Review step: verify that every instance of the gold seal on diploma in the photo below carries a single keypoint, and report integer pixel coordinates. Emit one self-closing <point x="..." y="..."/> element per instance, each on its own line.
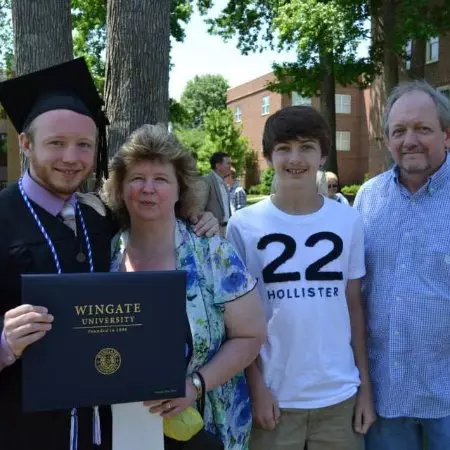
<point x="107" y="361"/>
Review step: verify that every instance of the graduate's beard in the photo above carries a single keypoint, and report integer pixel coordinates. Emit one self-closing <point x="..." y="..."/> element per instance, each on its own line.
<point x="52" y="181"/>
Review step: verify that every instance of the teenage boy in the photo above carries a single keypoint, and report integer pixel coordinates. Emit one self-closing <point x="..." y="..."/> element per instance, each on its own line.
<point x="310" y="385"/>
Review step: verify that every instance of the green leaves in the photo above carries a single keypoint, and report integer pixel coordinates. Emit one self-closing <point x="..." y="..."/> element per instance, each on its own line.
<point x="6" y="36"/>
<point x="89" y="35"/>
<point x="310" y="27"/>
<point x="210" y="124"/>
<point x="221" y="130"/>
<point x="219" y="133"/>
<point x="202" y="94"/>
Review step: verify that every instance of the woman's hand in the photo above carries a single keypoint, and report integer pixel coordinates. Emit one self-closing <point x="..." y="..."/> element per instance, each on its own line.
<point x="170" y="408"/>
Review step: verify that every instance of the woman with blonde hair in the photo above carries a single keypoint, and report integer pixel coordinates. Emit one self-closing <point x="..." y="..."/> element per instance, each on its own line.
<point x="333" y="188"/>
<point x="152" y="190"/>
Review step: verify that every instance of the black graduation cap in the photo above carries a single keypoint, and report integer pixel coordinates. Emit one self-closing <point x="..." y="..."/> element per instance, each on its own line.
<point x="65" y="86"/>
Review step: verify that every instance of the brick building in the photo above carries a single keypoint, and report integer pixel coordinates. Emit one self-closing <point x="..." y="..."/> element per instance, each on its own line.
<point x="252" y="103"/>
<point x="359" y="136"/>
<point x="436" y="68"/>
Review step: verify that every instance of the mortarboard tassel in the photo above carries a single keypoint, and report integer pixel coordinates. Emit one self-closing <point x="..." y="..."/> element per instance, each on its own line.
<point x="97" y="432"/>
<point x="102" y="151"/>
<point x="96" y="429"/>
<point x="74" y="429"/>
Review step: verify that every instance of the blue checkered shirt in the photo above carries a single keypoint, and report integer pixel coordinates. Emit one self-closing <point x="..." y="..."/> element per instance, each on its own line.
<point x="407" y="293"/>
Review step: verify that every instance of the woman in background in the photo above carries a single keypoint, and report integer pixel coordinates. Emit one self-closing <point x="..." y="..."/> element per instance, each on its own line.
<point x="333" y="188"/>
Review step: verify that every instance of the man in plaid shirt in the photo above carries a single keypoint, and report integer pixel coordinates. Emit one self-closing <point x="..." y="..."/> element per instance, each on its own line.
<point x="406" y="215"/>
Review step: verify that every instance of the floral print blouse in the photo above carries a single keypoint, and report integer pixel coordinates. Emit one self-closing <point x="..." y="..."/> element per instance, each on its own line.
<point x="215" y="276"/>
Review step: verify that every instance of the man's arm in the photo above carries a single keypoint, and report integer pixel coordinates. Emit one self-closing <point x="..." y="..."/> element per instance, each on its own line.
<point x="364" y="410"/>
<point x="358" y="329"/>
<point x="266" y="412"/>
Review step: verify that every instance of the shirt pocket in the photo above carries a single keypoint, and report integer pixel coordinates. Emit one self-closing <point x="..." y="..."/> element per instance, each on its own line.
<point x="434" y="275"/>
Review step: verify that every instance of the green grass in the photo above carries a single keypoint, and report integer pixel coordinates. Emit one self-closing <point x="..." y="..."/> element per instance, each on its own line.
<point x="251" y="199"/>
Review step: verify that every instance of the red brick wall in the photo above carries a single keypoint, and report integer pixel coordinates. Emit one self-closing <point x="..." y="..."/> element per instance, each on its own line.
<point x="352" y="165"/>
<point x="249" y="97"/>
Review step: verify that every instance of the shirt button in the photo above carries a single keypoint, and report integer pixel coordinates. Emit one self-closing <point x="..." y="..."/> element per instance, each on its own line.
<point x="396" y="333"/>
<point x="403" y="266"/>
<point x="407" y="234"/>
<point x="397" y="298"/>
<point x="413" y="202"/>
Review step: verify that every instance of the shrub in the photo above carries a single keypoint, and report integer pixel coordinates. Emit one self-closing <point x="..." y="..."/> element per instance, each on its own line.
<point x="351" y="189"/>
<point x="254" y="190"/>
<point x="266" y="180"/>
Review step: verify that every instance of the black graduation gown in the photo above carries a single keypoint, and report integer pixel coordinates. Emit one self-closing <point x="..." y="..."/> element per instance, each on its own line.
<point x="23" y="249"/>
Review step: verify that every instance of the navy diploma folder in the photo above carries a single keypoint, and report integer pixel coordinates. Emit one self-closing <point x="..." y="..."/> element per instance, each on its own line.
<point x="116" y="338"/>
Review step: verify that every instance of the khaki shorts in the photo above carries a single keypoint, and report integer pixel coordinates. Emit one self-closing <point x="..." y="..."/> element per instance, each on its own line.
<point x="329" y="428"/>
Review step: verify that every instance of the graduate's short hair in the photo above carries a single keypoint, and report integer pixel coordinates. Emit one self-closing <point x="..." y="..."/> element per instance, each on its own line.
<point x="294" y="122"/>
<point x="152" y="143"/>
<point x="30" y="131"/>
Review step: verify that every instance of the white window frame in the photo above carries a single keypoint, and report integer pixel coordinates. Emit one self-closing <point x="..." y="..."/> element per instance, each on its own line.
<point x="238" y="114"/>
<point x="343" y="141"/>
<point x="343" y="103"/>
<point x="408" y="51"/>
<point x="298" y="99"/>
<point x="432" y="56"/>
<point x="445" y="90"/>
<point x="265" y="105"/>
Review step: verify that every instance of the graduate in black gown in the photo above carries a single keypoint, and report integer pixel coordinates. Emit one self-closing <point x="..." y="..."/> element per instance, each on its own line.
<point x="58" y="114"/>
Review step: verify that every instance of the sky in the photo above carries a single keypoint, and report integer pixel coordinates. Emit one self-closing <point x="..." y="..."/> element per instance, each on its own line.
<point x="201" y="53"/>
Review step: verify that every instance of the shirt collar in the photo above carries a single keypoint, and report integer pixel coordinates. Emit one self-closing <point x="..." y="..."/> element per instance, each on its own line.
<point x="44" y="198"/>
<point x="218" y="176"/>
<point x="434" y="182"/>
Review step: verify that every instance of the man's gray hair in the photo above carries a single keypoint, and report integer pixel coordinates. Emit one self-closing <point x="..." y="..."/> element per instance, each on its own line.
<point x="440" y="100"/>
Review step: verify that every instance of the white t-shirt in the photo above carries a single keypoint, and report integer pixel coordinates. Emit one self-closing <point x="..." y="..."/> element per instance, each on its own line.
<point x="303" y="263"/>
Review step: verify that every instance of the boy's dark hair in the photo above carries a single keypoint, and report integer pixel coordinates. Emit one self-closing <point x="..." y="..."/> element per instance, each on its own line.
<point x="217" y="158"/>
<point x="295" y="122"/>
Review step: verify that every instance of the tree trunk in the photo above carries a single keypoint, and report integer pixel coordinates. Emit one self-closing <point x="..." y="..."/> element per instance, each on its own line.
<point x="137" y="66"/>
<point x="390" y="64"/>
<point x="42" y="36"/>
<point x="328" y="105"/>
<point x="418" y="59"/>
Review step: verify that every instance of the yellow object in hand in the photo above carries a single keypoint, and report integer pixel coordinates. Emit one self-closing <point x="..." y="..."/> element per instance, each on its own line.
<point x="183" y="426"/>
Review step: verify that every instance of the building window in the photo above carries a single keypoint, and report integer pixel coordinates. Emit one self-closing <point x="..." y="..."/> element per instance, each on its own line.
<point x="3" y="143"/>
<point x="343" y="104"/>
<point x="445" y="90"/>
<point x="408" y="52"/>
<point x="343" y="141"/>
<point x="265" y="107"/>
<point x="238" y="114"/>
<point x="432" y="50"/>
<point x="298" y="99"/>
